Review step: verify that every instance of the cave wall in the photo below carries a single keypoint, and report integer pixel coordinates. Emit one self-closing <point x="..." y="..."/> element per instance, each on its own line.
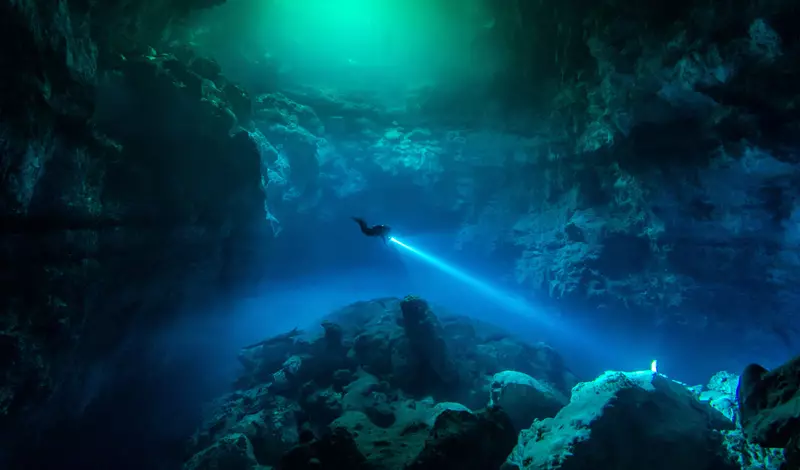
<point x="128" y="186"/>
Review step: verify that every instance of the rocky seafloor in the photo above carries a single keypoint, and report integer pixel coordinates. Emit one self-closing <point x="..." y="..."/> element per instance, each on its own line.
<point x="391" y="384"/>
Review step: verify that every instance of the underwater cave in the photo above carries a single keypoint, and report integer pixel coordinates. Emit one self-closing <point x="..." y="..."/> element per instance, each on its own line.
<point x="399" y="234"/>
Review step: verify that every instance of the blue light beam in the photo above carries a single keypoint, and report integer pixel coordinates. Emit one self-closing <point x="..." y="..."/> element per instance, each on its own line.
<point x="513" y="304"/>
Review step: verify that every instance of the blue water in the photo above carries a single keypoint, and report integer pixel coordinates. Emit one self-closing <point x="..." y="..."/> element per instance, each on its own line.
<point x="157" y="383"/>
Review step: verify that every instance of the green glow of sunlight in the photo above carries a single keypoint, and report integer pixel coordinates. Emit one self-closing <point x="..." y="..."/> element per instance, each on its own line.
<point x="363" y="42"/>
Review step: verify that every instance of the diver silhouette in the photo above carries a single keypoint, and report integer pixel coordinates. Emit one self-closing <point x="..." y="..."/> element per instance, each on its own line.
<point x="374" y="231"/>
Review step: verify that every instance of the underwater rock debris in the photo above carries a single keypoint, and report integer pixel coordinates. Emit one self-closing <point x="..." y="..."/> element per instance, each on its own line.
<point x="328" y="411"/>
<point x="721" y="394"/>
<point x="349" y="393"/>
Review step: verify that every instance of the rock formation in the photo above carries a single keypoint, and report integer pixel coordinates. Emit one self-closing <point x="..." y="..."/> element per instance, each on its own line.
<point x="343" y="399"/>
<point x="767" y="406"/>
<point x="314" y="412"/>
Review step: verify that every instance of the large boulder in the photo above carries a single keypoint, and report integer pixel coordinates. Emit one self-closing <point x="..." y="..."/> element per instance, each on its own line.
<point x="503" y="352"/>
<point x="427" y="437"/>
<point x="432" y="362"/>
<point x="524" y="398"/>
<point x="373" y="398"/>
<point x="336" y="450"/>
<point x="768" y="408"/>
<point x="426" y="351"/>
<point x="268" y="421"/>
<point x="720" y="394"/>
<point x="391" y="445"/>
<point x="467" y="441"/>
<point x="768" y="403"/>
<point x="626" y="420"/>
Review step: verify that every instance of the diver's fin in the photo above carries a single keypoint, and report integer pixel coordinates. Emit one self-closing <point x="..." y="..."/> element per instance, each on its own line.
<point x="362" y="224"/>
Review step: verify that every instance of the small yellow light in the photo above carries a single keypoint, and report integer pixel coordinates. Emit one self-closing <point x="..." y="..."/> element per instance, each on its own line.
<point x="654" y="366"/>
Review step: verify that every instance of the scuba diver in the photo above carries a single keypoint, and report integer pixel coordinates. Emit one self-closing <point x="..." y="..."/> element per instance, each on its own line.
<point x="374" y="231"/>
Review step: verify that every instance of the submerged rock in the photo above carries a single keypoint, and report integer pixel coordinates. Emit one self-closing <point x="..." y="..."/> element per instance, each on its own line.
<point x="626" y="420"/>
<point x="432" y="437"/>
<point x="468" y="441"/>
<point x="231" y="452"/>
<point x="524" y="398"/>
<point x="271" y="433"/>
<point x="335" y="451"/>
<point x="368" y="395"/>
<point x="769" y="403"/>
<point x="387" y="378"/>
<point x="344" y="403"/>
<point x="720" y="393"/>
<point x="432" y="363"/>
<point x="321" y="405"/>
<point x="537" y="360"/>
<point x="769" y="408"/>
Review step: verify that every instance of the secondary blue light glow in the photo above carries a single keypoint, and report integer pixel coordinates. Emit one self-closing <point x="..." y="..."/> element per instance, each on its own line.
<point x="514" y="304"/>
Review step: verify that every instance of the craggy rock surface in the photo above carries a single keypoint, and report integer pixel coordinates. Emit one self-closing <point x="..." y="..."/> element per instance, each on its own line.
<point x="465" y="440"/>
<point x="524" y="398"/>
<point x="768" y="408"/>
<point x="329" y="401"/>
<point x="638" y="157"/>
<point x="635" y="419"/>
<point x="341" y="400"/>
<point x="627" y="420"/>
<point x="768" y="403"/>
<point x="721" y="394"/>
<point x="345" y="399"/>
<point x="112" y="205"/>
